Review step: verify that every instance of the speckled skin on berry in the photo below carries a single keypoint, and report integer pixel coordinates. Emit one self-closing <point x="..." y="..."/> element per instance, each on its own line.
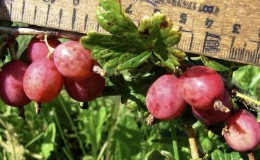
<point x="87" y="89"/>
<point x="200" y="86"/>
<point x="37" y="48"/>
<point x="212" y="116"/>
<point x="163" y="99"/>
<point x="42" y="81"/>
<point x="73" y="61"/>
<point x="11" y="83"/>
<point x="242" y="131"/>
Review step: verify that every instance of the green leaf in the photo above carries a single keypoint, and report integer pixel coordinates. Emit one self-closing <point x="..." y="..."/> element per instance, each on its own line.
<point x="94" y="119"/>
<point x="48" y="144"/>
<point x="134" y="61"/>
<point x="219" y="155"/>
<point x="126" y="55"/>
<point x="150" y="26"/>
<point x="158" y="155"/>
<point x="128" y="47"/>
<point x="154" y="155"/>
<point x="111" y="17"/>
<point x="214" y="64"/>
<point x="167" y="60"/>
<point x="127" y="138"/>
<point x="121" y="87"/>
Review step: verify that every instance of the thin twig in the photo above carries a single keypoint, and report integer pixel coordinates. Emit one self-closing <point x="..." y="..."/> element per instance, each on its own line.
<point x="192" y="141"/>
<point x="247" y="98"/>
<point x="40" y="31"/>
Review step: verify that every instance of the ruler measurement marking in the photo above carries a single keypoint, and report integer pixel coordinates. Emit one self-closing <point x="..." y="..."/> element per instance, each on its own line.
<point x="97" y="27"/>
<point x="253" y="56"/>
<point x="231" y="47"/>
<point x="86" y="22"/>
<point x="73" y="19"/>
<point x="35" y="13"/>
<point x="23" y="7"/>
<point x="191" y="41"/>
<point x="244" y="51"/>
<point x="48" y="12"/>
<point x="11" y="10"/>
<point x="249" y="55"/>
<point x="60" y="17"/>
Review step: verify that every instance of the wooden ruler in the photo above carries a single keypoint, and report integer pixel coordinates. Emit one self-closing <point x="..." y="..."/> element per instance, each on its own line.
<point x="227" y="29"/>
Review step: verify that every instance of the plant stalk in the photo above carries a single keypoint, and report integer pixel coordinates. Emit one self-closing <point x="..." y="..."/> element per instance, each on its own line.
<point x="34" y="140"/>
<point x="72" y="125"/>
<point x="68" y="153"/>
<point x="247" y="98"/>
<point x="229" y="78"/>
<point x="116" y="111"/>
<point x="192" y="141"/>
<point x="174" y="141"/>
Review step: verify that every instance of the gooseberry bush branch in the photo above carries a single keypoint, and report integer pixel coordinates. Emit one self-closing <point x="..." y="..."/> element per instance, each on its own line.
<point x="16" y="31"/>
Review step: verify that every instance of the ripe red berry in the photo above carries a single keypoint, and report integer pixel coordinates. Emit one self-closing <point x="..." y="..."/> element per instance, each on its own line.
<point x="37" y="48"/>
<point x="212" y="116"/>
<point x="85" y="90"/>
<point x="11" y="83"/>
<point x="73" y="61"/>
<point x="242" y="131"/>
<point x="163" y="99"/>
<point x="200" y="86"/>
<point x="42" y="81"/>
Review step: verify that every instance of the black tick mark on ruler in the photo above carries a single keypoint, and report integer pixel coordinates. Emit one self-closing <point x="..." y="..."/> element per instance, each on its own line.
<point x="35" y="14"/>
<point x="60" y="17"/>
<point x="73" y="18"/>
<point x="23" y="8"/>
<point x="86" y="22"/>
<point x="48" y="12"/>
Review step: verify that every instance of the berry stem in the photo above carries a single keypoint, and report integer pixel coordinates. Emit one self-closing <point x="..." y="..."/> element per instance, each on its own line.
<point x="98" y="70"/>
<point x="218" y="105"/>
<point x="174" y="141"/>
<point x="192" y="141"/>
<point x="251" y="156"/>
<point x="51" y="49"/>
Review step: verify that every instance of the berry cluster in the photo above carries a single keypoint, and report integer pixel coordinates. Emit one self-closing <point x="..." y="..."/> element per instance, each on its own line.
<point x="51" y="66"/>
<point x="203" y="89"/>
